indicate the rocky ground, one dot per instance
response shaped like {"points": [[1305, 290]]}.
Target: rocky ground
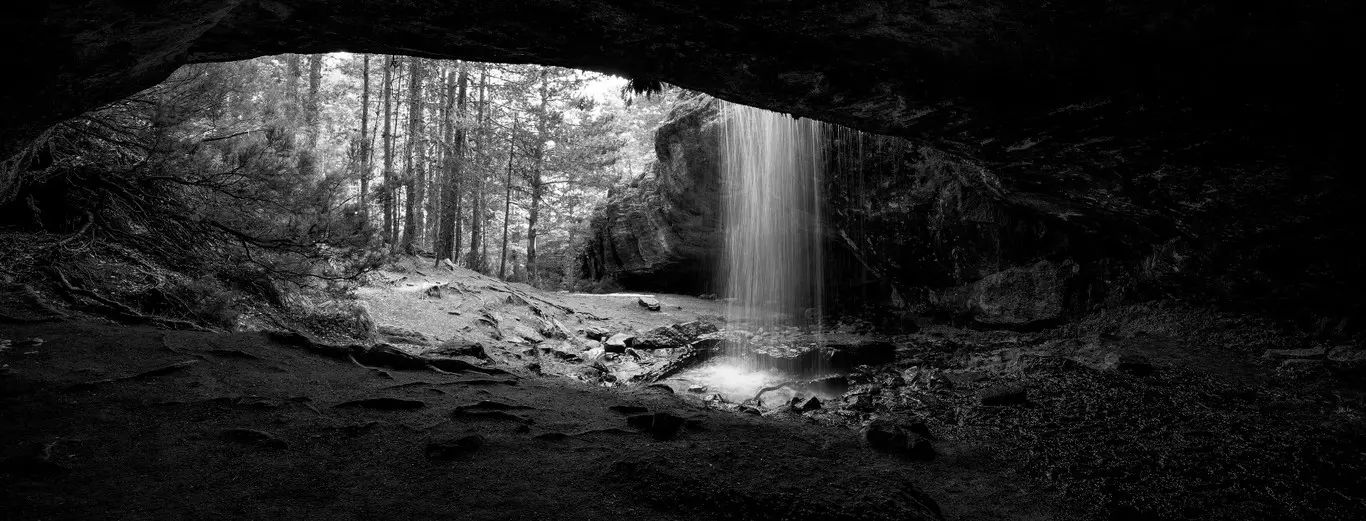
{"points": [[480, 399]]}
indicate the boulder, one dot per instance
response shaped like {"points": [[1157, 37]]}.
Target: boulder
{"points": [[649, 303], [617, 343]]}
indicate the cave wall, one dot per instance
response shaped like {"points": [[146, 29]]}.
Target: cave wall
{"points": [[1080, 214]]}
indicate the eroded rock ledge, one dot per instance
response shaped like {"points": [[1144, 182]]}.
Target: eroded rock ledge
{"points": [[906, 68]]}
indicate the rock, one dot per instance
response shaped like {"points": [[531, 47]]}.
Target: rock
{"points": [[454, 348], [1016, 297], [617, 343], [809, 404], [649, 303], [1346, 360], [888, 437], [254, 438], [961, 378], [1286, 354], [454, 448], [399, 335], [628, 409], [1009, 394], [382, 404], [859, 402], [526, 332], [597, 333], [697, 389], [1300, 368], [707, 296]]}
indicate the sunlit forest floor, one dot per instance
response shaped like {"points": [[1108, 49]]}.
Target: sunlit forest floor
{"points": [[1145, 412]]}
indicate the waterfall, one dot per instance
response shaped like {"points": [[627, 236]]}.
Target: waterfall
{"points": [[771, 165]]}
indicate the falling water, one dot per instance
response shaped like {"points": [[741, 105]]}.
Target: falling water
{"points": [[771, 165]]}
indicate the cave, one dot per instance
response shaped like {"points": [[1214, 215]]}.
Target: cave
{"points": [[1062, 260]]}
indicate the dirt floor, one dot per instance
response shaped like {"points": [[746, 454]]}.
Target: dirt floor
{"points": [[1142, 413]]}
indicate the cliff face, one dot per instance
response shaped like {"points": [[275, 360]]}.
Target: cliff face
{"points": [[1078, 214], [662, 232]]}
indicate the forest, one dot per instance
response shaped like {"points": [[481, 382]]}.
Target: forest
{"points": [[313, 169]]}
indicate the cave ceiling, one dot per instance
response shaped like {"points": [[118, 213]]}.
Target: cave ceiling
{"points": [[910, 68]]}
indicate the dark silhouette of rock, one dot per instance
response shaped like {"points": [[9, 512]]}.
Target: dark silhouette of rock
{"points": [[809, 404]]}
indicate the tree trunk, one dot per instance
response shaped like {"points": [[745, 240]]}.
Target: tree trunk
{"points": [[413, 179], [476, 261], [389, 187], [535, 184], [294, 67], [364, 159], [507, 202], [449, 235], [315, 79]]}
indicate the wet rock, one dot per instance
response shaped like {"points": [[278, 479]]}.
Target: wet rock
{"points": [[699, 389], [649, 303], [454, 448], [891, 438], [628, 409], [382, 404], [254, 438], [1288, 354], [617, 343], [673, 336], [1011, 394], [809, 404]]}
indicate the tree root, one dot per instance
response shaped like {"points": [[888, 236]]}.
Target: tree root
{"points": [[163, 370], [119, 310]]}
